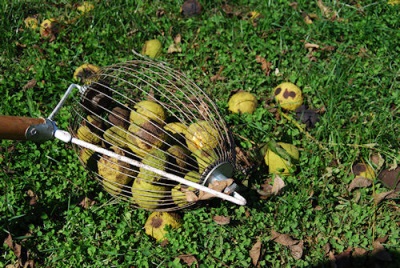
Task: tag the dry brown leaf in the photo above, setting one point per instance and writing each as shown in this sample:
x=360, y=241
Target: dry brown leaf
x=222, y=220
x=379, y=251
x=9, y=241
x=359, y=252
x=265, y=65
x=255, y=252
x=306, y=18
x=382, y=196
x=178, y=39
x=16, y=265
x=297, y=250
x=283, y=239
x=293, y=5
x=343, y=259
x=382, y=239
x=87, y=203
x=242, y=159
x=278, y=185
x=267, y=190
x=32, y=197
x=191, y=197
x=218, y=76
x=326, y=11
x=231, y=10
x=218, y=186
x=391, y=178
x=21, y=253
x=174, y=48
x=359, y=182
x=31, y=84
x=311, y=46
x=29, y=264
x=377, y=160
x=188, y=259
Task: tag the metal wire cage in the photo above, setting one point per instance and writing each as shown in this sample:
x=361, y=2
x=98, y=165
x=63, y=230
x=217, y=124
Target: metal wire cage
x=146, y=111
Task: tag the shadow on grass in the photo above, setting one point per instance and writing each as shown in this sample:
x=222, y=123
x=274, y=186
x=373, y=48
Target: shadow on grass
x=375, y=259
x=17, y=231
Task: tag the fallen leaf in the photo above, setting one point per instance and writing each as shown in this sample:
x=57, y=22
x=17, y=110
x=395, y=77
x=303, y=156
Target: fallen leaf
x=191, y=196
x=231, y=10
x=278, y=185
x=359, y=252
x=255, y=252
x=297, y=250
x=188, y=259
x=242, y=160
x=160, y=12
x=377, y=160
x=293, y=5
x=218, y=186
x=87, y=203
x=20, y=252
x=265, y=65
x=359, y=182
x=379, y=252
x=382, y=239
x=382, y=196
x=218, y=76
x=9, y=241
x=326, y=11
x=222, y=220
x=174, y=48
x=342, y=260
x=311, y=46
x=306, y=18
x=390, y=178
x=283, y=239
x=177, y=39
x=31, y=84
x=32, y=197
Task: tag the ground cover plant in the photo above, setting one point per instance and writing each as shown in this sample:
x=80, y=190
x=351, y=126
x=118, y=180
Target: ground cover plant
x=343, y=56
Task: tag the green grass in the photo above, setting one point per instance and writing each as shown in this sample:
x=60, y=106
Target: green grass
x=357, y=82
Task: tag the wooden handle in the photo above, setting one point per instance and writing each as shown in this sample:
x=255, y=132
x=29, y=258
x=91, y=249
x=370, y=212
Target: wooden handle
x=14, y=127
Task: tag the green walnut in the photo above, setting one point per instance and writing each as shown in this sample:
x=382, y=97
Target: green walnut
x=205, y=159
x=84, y=133
x=201, y=136
x=147, y=110
x=289, y=96
x=147, y=195
x=144, y=138
x=242, y=102
x=116, y=136
x=179, y=156
x=115, y=174
x=282, y=162
x=157, y=221
x=152, y=48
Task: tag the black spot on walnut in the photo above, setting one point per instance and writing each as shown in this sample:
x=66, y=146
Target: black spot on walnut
x=289, y=94
x=156, y=222
x=277, y=91
x=358, y=168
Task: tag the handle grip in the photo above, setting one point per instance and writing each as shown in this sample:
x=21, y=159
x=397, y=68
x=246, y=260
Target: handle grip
x=15, y=127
